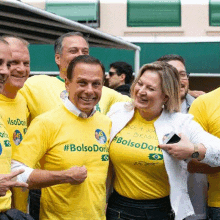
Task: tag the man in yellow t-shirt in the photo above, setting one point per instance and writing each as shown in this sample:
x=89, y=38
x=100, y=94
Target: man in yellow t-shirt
x=44, y=93
x=206, y=112
x=5, y=147
x=13, y=105
x=72, y=149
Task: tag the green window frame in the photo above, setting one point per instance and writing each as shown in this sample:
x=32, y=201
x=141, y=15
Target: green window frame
x=86, y=12
x=157, y=13
x=214, y=12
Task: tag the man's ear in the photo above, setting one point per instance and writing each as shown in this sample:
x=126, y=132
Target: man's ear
x=57, y=59
x=123, y=76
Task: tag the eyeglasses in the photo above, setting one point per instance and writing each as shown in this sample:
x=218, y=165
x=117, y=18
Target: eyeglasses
x=111, y=73
x=184, y=75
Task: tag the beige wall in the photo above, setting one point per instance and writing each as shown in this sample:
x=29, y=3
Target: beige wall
x=113, y=20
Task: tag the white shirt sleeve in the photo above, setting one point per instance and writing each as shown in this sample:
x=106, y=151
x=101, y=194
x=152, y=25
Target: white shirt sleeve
x=23, y=177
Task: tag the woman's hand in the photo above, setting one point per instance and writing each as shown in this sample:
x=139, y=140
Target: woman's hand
x=180, y=150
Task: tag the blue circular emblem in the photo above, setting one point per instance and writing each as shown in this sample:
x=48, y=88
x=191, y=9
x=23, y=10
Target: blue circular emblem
x=0, y=149
x=100, y=136
x=17, y=137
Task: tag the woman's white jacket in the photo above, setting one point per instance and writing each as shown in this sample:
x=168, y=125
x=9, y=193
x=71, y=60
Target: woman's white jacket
x=121, y=113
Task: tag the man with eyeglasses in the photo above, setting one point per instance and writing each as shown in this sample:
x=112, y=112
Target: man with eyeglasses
x=119, y=77
x=197, y=183
x=179, y=63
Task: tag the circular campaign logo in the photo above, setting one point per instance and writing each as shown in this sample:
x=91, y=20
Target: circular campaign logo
x=64, y=95
x=0, y=149
x=100, y=136
x=17, y=137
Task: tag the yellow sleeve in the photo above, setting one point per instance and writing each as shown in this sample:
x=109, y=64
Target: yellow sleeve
x=199, y=111
x=109, y=97
x=34, y=145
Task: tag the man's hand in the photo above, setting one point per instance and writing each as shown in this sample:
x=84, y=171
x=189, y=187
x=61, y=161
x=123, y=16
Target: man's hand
x=76, y=175
x=6, y=182
x=181, y=150
x=195, y=93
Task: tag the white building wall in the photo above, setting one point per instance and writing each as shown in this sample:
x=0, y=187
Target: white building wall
x=113, y=20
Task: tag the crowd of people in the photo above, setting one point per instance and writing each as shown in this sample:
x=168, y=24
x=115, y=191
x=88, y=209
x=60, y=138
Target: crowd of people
x=86, y=151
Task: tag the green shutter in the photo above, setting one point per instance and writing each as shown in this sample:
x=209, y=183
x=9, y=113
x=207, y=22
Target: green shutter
x=159, y=13
x=76, y=11
x=214, y=12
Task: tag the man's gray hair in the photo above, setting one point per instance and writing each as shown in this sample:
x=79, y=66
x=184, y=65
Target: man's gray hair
x=25, y=42
x=58, y=45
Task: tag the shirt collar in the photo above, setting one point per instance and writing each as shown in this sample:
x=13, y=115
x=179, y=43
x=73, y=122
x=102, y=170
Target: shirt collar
x=184, y=108
x=61, y=79
x=72, y=108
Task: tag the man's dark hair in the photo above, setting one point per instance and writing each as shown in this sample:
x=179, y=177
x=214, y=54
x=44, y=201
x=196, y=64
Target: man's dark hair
x=58, y=45
x=123, y=67
x=170, y=57
x=83, y=59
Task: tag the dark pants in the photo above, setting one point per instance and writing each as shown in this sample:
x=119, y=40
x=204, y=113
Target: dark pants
x=120, y=207
x=14, y=214
x=213, y=213
x=34, y=206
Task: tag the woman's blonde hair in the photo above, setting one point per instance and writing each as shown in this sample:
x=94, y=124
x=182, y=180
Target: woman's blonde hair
x=170, y=83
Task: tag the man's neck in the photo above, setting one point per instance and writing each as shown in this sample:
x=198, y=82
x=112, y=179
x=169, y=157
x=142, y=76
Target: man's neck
x=120, y=84
x=9, y=94
x=62, y=75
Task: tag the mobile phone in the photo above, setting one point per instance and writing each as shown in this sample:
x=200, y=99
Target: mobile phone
x=171, y=138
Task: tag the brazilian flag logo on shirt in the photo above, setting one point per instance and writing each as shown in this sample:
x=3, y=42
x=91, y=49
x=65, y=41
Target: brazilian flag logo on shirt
x=7, y=143
x=155, y=156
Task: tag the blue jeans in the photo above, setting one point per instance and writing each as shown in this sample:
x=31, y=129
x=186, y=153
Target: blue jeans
x=213, y=213
x=34, y=206
x=120, y=207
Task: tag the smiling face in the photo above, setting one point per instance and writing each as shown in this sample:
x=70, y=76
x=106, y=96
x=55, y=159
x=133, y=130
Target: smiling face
x=85, y=88
x=20, y=65
x=148, y=95
x=72, y=47
x=184, y=82
x=5, y=59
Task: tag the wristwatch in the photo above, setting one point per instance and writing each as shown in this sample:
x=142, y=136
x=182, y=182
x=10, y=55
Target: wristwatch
x=195, y=154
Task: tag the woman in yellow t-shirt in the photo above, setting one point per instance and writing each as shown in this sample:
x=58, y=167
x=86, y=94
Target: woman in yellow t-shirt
x=150, y=180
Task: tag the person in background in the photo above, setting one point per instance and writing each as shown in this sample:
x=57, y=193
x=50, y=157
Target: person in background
x=13, y=105
x=155, y=172
x=205, y=110
x=120, y=77
x=197, y=183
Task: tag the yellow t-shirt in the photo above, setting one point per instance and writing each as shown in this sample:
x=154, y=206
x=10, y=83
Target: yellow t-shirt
x=138, y=162
x=60, y=140
x=44, y=93
x=14, y=114
x=206, y=112
x=5, y=163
